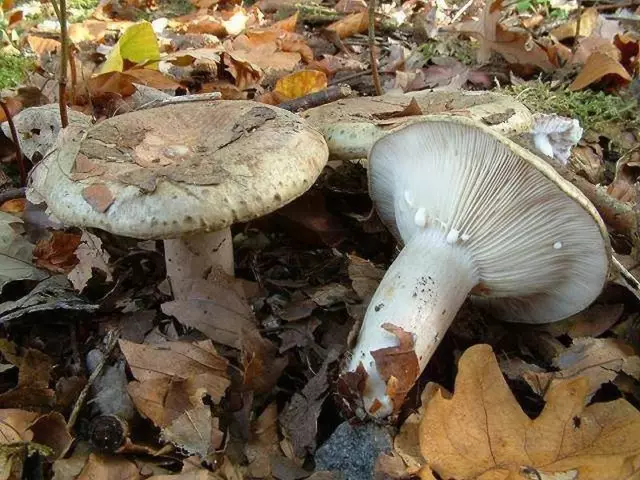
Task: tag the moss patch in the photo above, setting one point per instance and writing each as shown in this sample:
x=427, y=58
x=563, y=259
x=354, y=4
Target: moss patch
x=13, y=69
x=597, y=111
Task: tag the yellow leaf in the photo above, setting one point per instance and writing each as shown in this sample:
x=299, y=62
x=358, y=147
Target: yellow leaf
x=482, y=433
x=301, y=83
x=137, y=45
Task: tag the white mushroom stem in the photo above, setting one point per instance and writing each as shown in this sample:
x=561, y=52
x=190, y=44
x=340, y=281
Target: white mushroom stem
x=421, y=293
x=194, y=256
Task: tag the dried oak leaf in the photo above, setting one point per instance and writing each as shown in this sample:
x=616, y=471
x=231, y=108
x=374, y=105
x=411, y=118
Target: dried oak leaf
x=103, y=467
x=350, y=25
x=300, y=83
x=57, y=253
x=482, y=433
x=262, y=366
x=601, y=68
x=197, y=361
x=398, y=366
x=263, y=443
x=195, y=431
x=90, y=256
x=32, y=391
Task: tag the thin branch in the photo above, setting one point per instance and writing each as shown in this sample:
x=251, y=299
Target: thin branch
x=372, y=47
x=111, y=342
x=61, y=11
x=331, y=94
x=16, y=142
x=578, y=22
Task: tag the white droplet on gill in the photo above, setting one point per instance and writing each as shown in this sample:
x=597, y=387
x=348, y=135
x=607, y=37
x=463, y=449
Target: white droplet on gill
x=452, y=236
x=420, y=217
x=408, y=198
x=557, y=245
x=464, y=237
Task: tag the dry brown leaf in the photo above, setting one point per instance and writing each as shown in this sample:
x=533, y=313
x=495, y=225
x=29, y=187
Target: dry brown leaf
x=398, y=366
x=350, y=25
x=98, y=196
x=629, y=47
x=297, y=46
x=57, y=253
x=262, y=366
x=112, y=82
x=91, y=256
x=481, y=432
x=287, y=24
x=516, y=47
x=32, y=390
x=365, y=277
x=217, y=306
x=263, y=442
x=43, y=46
x=301, y=83
x=197, y=361
x=14, y=206
x=103, y=467
x=246, y=74
x=194, y=431
x=588, y=23
x=600, y=67
x=52, y=430
x=152, y=78
x=14, y=425
x=14, y=105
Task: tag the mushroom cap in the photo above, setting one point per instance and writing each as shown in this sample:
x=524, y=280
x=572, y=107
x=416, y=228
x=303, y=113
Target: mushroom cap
x=540, y=247
x=352, y=125
x=180, y=169
x=38, y=128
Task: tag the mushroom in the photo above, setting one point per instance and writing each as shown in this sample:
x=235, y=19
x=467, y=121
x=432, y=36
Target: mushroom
x=480, y=215
x=351, y=126
x=182, y=173
x=555, y=136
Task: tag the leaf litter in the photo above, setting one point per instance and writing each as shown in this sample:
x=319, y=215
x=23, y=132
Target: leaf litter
x=240, y=379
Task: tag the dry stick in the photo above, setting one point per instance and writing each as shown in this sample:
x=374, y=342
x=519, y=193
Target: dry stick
x=16, y=142
x=61, y=12
x=331, y=94
x=372, y=46
x=112, y=341
x=578, y=22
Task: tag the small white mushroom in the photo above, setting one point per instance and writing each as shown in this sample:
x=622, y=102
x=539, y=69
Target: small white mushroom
x=555, y=136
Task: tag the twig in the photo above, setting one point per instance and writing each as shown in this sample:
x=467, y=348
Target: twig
x=316, y=99
x=16, y=142
x=12, y=194
x=61, y=12
x=111, y=342
x=350, y=77
x=197, y=97
x=460, y=12
x=372, y=47
x=578, y=22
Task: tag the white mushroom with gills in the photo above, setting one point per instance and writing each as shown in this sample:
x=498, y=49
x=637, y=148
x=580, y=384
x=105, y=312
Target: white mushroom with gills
x=183, y=173
x=478, y=215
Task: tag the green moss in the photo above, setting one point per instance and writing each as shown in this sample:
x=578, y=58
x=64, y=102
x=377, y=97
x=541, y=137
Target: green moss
x=597, y=111
x=13, y=69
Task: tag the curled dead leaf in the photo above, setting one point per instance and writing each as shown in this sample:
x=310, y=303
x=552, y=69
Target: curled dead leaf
x=600, y=67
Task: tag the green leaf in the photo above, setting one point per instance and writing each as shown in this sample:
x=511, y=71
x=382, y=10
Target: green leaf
x=138, y=45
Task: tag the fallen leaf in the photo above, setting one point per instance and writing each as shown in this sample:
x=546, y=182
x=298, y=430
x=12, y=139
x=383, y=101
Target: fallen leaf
x=57, y=253
x=90, y=256
x=398, y=366
x=300, y=83
x=16, y=253
x=193, y=431
x=98, y=196
x=153, y=78
x=217, y=306
x=246, y=74
x=137, y=45
x=299, y=419
x=262, y=367
x=52, y=430
x=600, y=67
x=365, y=277
x=588, y=22
x=14, y=425
x=15, y=206
x=43, y=46
x=14, y=105
x=198, y=361
x=350, y=25
x=263, y=442
x=591, y=322
x=103, y=467
x=481, y=431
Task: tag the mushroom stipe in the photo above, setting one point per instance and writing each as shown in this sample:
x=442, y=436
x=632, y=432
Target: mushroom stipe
x=478, y=215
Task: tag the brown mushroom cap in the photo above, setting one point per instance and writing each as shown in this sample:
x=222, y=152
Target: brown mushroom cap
x=180, y=169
